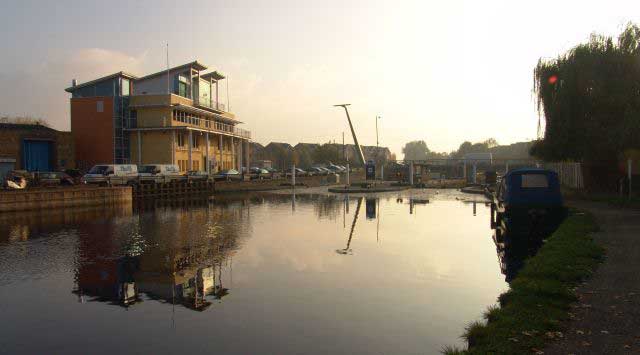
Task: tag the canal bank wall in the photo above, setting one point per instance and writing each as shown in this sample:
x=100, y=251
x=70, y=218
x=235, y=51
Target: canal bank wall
x=61, y=197
x=78, y=196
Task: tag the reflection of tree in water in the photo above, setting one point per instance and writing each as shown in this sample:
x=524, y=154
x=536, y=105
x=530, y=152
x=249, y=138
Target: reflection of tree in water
x=171, y=254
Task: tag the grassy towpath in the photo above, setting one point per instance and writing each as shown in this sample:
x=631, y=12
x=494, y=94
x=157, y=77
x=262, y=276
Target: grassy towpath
x=606, y=317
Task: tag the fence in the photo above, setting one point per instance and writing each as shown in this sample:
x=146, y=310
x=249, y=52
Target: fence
x=570, y=174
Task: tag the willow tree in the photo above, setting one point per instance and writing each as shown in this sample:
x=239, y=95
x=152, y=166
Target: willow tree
x=589, y=98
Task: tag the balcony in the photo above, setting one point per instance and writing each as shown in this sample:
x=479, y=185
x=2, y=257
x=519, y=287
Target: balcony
x=212, y=104
x=215, y=126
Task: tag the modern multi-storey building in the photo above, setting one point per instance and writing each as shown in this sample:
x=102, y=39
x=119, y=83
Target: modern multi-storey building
x=170, y=117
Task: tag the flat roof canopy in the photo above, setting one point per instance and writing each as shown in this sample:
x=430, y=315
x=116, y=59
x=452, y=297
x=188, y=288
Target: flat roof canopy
x=213, y=75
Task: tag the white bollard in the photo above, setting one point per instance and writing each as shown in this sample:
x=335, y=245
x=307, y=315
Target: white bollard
x=411, y=174
x=348, y=175
x=293, y=176
x=475, y=172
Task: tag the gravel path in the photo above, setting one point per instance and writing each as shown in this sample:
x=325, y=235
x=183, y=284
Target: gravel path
x=606, y=319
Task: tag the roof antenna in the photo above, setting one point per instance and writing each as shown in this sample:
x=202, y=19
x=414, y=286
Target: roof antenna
x=168, y=80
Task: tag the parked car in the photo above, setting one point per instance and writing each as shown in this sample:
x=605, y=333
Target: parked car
x=159, y=173
x=198, y=175
x=274, y=173
x=334, y=168
x=46, y=178
x=259, y=173
x=314, y=170
x=326, y=171
x=112, y=174
x=228, y=175
x=299, y=172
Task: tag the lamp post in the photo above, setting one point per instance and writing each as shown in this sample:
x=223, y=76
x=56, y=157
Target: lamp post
x=377, y=118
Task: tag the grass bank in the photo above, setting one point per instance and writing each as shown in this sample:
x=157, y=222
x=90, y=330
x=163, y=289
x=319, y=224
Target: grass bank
x=540, y=296
x=611, y=199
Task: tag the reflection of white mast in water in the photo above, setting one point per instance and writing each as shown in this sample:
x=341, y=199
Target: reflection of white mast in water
x=345, y=208
x=293, y=201
x=378, y=218
x=347, y=250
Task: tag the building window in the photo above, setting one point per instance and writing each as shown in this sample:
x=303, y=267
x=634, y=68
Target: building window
x=180, y=140
x=196, y=143
x=126, y=87
x=100, y=106
x=182, y=86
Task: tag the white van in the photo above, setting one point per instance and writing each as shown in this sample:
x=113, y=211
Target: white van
x=159, y=173
x=112, y=174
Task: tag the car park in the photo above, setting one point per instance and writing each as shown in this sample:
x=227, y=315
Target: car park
x=228, y=175
x=259, y=173
x=112, y=174
x=159, y=173
x=198, y=175
x=46, y=179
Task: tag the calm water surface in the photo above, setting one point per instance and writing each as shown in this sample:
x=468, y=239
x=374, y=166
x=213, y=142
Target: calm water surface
x=252, y=274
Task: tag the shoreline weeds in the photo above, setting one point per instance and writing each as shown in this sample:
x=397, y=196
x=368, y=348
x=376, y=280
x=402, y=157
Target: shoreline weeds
x=539, y=298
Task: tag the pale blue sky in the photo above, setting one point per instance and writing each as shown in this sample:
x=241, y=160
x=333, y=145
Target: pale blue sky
x=442, y=71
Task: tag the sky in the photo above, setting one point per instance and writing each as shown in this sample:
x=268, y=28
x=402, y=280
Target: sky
x=439, y=71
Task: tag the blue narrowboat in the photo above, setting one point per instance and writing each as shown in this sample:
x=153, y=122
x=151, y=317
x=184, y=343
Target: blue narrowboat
x=527, y=205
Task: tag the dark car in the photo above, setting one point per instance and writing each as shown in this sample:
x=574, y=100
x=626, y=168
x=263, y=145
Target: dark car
x=228, y=175
x=198, y=175
x=299, y=172
x=259, y=173
x=47, y=179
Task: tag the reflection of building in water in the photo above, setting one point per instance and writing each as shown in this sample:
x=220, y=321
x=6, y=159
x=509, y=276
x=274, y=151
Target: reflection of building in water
x=24, y=225
x=174, y=255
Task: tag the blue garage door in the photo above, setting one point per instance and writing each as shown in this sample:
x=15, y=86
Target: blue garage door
x=36, y=155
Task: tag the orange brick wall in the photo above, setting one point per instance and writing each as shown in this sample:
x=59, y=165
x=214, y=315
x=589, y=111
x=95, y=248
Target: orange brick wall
x=92, y=131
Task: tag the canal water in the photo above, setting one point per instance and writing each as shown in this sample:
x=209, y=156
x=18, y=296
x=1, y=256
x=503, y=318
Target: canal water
x=395, y=273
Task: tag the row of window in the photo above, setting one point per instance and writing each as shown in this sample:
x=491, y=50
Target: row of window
x=197, y=120
x=182, y=140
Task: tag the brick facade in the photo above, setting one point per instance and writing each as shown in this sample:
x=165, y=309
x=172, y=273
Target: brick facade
x=13, y=135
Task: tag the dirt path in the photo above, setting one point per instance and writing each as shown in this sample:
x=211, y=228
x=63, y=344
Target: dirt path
x=606, y=319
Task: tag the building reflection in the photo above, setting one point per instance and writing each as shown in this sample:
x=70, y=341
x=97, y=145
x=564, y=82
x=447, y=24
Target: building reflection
x=25, y=225
x=174, y=254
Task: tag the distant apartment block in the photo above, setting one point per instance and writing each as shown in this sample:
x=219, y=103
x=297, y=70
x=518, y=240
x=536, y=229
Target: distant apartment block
x=170, y=117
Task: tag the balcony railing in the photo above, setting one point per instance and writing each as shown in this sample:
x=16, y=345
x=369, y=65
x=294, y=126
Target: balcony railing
x=209, y=103
x=216, y=126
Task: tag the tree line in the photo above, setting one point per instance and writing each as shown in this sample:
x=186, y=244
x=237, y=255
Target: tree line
x=305, y=155
x=418, y=150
